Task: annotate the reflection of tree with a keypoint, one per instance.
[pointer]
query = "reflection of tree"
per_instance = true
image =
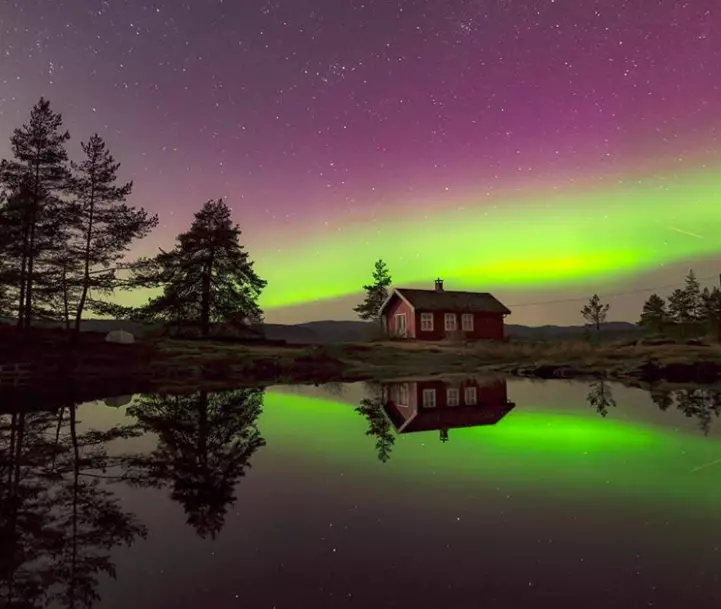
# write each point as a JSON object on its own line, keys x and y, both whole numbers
{"x": 205, "y": 442}
{"x": 59, "y": 520}
{"x": 379, "y": 427}
{"x": 698, "y": 403}
{"x": 89, "y": 514}
{"x": 601, "y": 397}
{"x": 662, "y": 399}
{"x": 701, "y": 404}
{"x": 26, "y": 531}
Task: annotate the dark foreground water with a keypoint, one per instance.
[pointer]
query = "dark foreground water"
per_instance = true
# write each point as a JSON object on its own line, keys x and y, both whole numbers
{"x": 538, "y": 495}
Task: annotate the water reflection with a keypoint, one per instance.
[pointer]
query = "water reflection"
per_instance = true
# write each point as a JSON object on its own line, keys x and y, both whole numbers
{"x": 696, "y": 403}
{"x": 601, "y": 397}
{"x": 63, "y": 471}
{"x": 703, "y": 404}
{"x": 205, "y": 442}
{"x": 61, "y": 519}
{"x": 432, "y": 404}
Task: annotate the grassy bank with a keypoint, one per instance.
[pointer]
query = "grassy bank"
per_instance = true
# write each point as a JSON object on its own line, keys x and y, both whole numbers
{"x": 177, "y": 362}
{"x": 624, "y": 361}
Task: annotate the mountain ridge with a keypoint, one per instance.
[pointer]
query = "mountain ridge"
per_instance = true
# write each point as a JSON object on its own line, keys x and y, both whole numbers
{"x": 340, "y": 331}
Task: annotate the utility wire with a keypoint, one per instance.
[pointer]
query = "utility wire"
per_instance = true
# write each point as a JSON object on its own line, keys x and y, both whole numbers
{"x": 610, "y": 295}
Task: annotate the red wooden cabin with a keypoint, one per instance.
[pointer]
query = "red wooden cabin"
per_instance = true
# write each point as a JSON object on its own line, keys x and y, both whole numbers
{"x": 439, "y": 314}
{"x": 443, "y": 404}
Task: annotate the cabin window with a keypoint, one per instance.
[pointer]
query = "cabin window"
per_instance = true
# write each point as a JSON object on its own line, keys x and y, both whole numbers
{"x": 427, "y": 322}
{"x": 450, "y": 319}
{"x": 452, "y": 396}
{"x": 429, "y": 398}
{"x": 467, "y": 322}
{"x": 469, "y": 396}
{"x": 403, "y": 394}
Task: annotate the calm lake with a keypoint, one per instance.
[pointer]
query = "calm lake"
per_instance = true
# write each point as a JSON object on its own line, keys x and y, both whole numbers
{"x": 468, "y": 493}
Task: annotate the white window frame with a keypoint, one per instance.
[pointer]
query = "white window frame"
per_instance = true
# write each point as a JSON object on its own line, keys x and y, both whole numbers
{"x": 429, "y": 398}
{"x": 450, "y": 322}
{"x": 470, "y": 396}
{"x": 395, "y": 324}
{"x": 426, "y": 322}
{"x": 403, "y": 395}
{"x": 453, "y": 396}
{"x": 467, "y": 322}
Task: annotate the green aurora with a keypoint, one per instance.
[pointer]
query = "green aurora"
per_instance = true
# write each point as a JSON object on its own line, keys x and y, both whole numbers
{"x": 544, "y": 240}
{"x": 559, "y": 453}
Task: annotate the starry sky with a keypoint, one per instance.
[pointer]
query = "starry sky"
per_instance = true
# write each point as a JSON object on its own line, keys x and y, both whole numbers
{"x": 542, "y": 150}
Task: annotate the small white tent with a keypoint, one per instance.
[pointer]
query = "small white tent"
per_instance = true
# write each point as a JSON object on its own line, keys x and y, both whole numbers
{"x": 120, "y": 337}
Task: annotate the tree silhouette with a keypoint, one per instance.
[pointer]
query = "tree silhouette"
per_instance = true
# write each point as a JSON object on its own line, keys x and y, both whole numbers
{"x": 701, "y": 404}
{"x": 654, "y": 314}
{"x": 376, "y": 293}
{"x": 595, "y": 312}
{"x": 601, "y": 397}
{"x": 378, "y": 426}
{"x": 60, "y": 518}
{"x": 35, "y": 178}
{"x": 207, "y": 278}
{"x": 88, "y": 513}
{"x": 27, "y": 534}
{"x": 205, "y": 443}
{"x": 106, "y": 224}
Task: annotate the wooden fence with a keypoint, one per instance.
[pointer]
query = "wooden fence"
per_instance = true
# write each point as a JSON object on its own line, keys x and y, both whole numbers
{"x": 15, "y": 374}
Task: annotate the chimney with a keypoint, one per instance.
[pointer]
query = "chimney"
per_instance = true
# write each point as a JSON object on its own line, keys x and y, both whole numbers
{"x": 439, "y": 285}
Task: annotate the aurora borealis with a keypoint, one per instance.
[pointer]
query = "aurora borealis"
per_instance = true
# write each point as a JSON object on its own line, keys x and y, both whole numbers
{"x": 541, "y": 150}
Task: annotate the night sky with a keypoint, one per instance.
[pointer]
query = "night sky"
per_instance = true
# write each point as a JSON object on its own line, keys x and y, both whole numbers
{"x": 543, "y": 150}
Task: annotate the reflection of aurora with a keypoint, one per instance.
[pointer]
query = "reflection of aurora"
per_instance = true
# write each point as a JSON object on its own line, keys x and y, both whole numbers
{"x": 607, "y": 230}
{"x": 563, "y": 453}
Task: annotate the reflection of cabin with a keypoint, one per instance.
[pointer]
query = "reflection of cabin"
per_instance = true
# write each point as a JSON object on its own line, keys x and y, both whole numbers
{"x": 445, "y": 404}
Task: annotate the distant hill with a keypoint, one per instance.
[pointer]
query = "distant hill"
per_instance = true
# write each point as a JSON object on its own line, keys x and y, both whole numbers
{"x": 328, "y": 331}
{"x": 353, "y": 331}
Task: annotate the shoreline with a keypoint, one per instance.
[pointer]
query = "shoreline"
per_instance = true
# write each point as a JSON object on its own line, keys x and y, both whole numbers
{"x": 171, "y": 363}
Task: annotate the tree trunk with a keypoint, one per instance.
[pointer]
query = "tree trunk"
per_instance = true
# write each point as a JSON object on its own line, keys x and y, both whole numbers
{"x": 31, "y": 248}
{"x": 205, "y": 302}
{"x": 23, "y": 274}
{"x": 88, "y": 243}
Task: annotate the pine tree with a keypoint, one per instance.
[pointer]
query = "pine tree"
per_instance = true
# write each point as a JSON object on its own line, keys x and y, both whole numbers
{"x": 208, "y": 276}
{"x": 595, "y": 312}
{"x": 36, "y": 176}
{"x": 693, "y": 296}
{"x": 679, "y": 307}
{"x": 106, "y": 225}
{"x": 376, "y": 293}
{"x": 654, "y": 314}
{"x": 711, "y": 309}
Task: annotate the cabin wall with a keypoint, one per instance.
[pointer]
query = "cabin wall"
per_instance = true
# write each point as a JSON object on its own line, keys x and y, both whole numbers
{"x": 399, "y": 306}
{"x": 486, "y": 326}
{"x": 487, "y": 393}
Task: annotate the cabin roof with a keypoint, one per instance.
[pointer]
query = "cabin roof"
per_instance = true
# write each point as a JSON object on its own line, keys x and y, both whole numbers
{"x": 469, "y": 302}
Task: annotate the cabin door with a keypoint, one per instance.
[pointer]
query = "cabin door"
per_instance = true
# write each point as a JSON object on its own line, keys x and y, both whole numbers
{"x": 401, "y": 325}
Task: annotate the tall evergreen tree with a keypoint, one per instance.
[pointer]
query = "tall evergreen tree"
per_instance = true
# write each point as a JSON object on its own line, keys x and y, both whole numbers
{"x": 376, "y": 293}
{"x": 37, "y": 174}
{"x": 207, "y": 278}
{"x": 595, "y": 312}
{"x": 693, "y": 296}
{"x": 679, "y": 307}
{"x": 106, "y": 224}
{"x": 711, "y": 309}
{"x": 654, "y": 314}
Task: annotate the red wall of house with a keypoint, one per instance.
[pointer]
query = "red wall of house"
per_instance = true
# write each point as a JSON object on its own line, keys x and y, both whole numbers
{"x": 486, "y": 326}
{"x": 395, "y": 306}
